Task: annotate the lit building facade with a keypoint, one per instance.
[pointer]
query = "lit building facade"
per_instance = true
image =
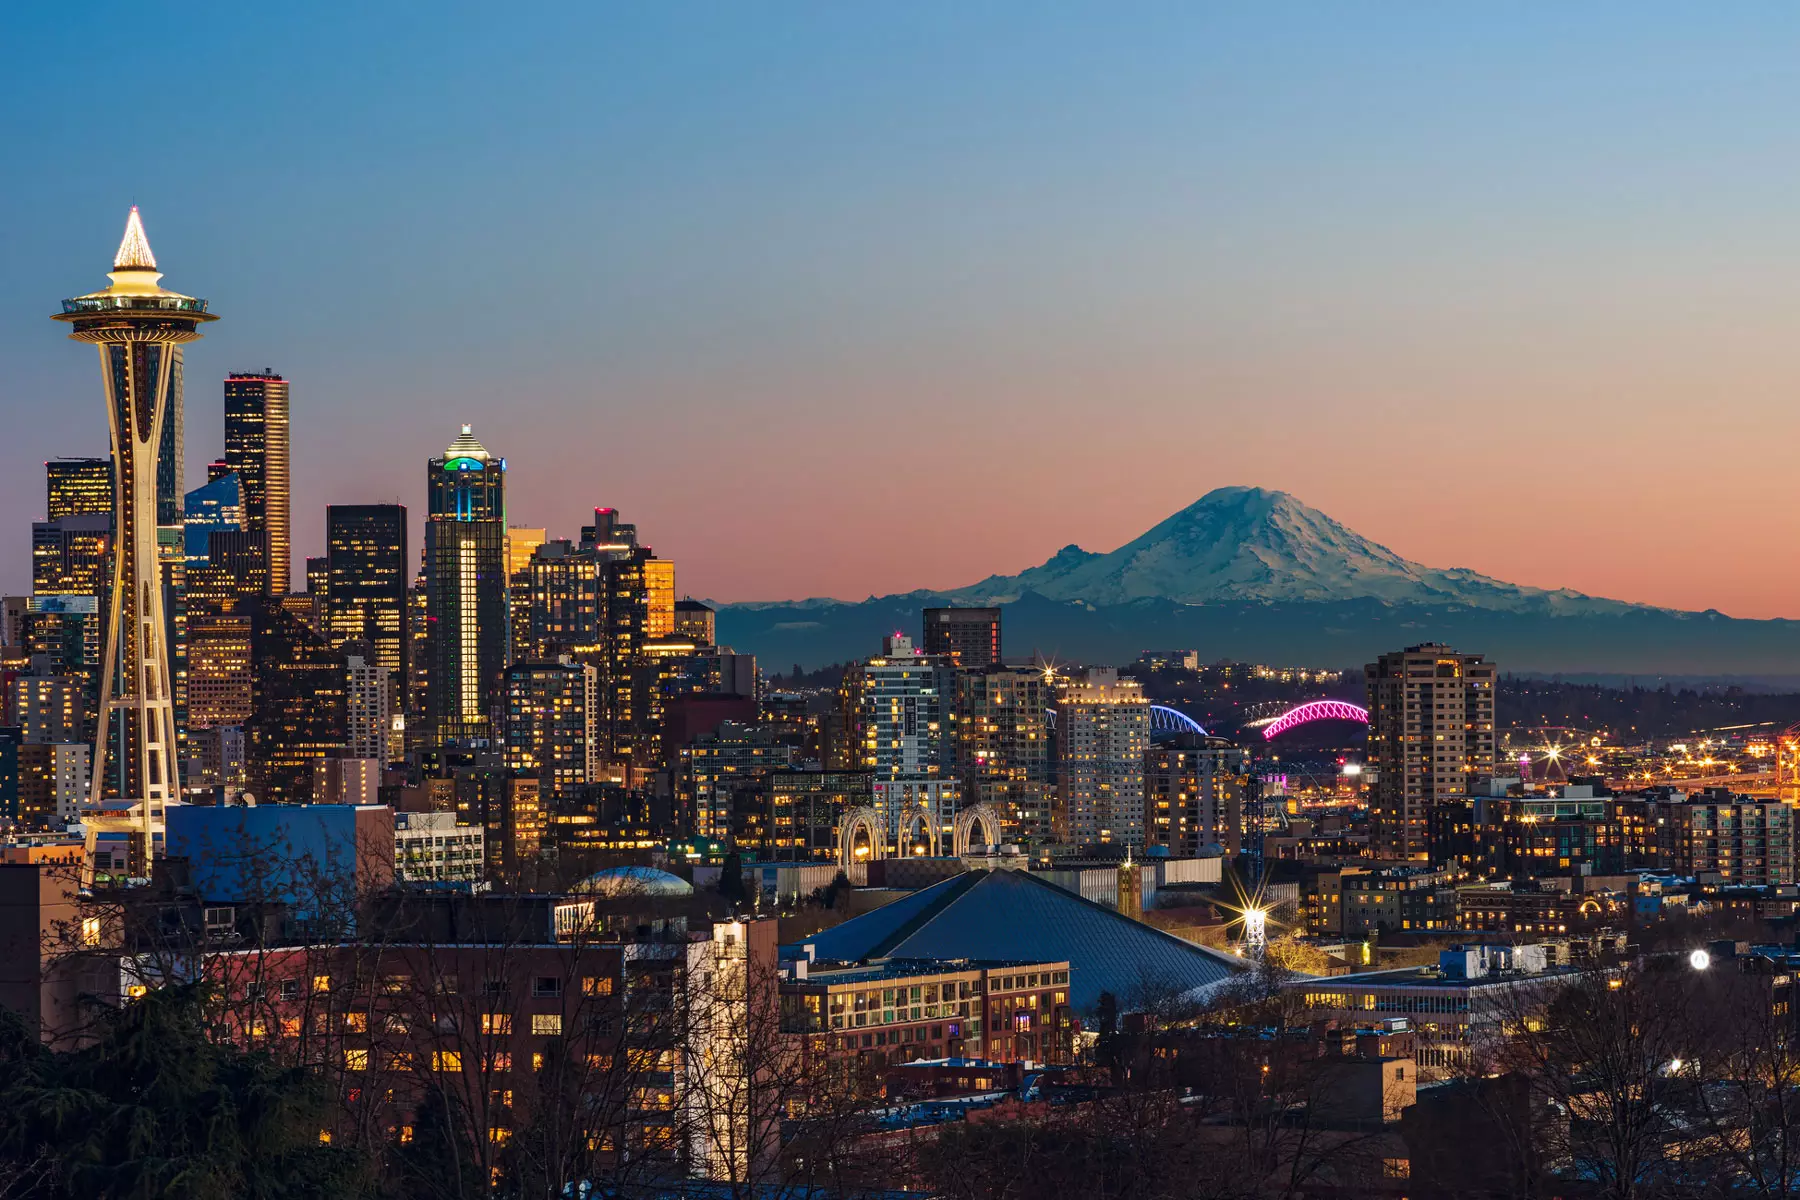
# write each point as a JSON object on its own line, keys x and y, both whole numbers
{"x": 256, "y": 449}
{"x": 1003, "y": 746}
{"x": 217, "y": 505}
{"x": 552, "y": 719}
{"x": 1102, "y": 731}
{"x": 1198, "y": 792}
{"x": 365, "y": 598}
{"x": 1746, "y": 840}
{"x": 433, "y": 847}
{"x": 368, "y": 713}
{"x": 1431, "y": 741}
{"x": 466, "y": 608}
{"x": 78, "y": 485}
{"x": 139, "y": 329}
{"x": 899, "y": 711}
{"x": 968, "y": 637}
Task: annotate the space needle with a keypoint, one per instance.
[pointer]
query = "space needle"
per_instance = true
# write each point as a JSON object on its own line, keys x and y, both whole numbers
{"x": 139, "y": 329}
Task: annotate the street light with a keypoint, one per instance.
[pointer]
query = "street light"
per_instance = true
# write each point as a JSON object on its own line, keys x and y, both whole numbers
{"x": 1699, "y": 960}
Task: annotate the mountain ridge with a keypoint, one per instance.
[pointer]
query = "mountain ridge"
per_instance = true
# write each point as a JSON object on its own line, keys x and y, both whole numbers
{"x": 1258, "y": 575}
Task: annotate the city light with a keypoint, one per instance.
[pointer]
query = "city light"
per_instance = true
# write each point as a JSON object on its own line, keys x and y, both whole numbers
{"x": 1699, "y": 960}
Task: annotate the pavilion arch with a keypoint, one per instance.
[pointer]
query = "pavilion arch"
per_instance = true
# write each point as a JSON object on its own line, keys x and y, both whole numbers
{"x": 868, "y": 822}
{"x": 984, "y": 815}
{"x": 916, "y": 826}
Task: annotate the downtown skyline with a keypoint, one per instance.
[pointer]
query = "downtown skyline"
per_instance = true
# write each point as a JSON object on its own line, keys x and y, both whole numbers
{"x": 1014, "y": 264}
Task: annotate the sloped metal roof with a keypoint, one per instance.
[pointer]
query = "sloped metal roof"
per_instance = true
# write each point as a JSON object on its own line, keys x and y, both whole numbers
{"x": 1015, "y": 915}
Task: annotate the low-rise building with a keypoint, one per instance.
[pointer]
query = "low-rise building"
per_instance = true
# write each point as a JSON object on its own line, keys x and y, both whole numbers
{"x": 431, "y": 846}
{"x": 899, "y": 1010}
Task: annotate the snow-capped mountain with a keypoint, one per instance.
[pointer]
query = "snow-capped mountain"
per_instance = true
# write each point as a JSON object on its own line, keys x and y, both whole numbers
{"x": 1238, "y": 544}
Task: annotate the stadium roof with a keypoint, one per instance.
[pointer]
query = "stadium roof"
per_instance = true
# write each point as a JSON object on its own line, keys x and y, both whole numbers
{"x": 1016, "y": 915}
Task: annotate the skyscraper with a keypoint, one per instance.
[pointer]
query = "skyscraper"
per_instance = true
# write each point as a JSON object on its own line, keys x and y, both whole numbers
{"x": 969, "y": 636}
{"x": 1102, "y": 731}
{"x": 256, "y": 448}
{"x": 1431, "y": 740}
{"x": 466, "y": 608}
{"x": 138, "y": 329}
{"x": 217, "y": 505}
{"x": 78, "y": 485}
{"x": 365, "y": 598}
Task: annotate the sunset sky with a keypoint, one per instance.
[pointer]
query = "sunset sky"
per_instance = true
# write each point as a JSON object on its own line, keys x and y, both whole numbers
{"x": 841, "y": 299}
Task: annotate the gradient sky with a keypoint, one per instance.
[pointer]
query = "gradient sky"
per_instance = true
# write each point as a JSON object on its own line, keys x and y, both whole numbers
{"x": 841, "y": 299}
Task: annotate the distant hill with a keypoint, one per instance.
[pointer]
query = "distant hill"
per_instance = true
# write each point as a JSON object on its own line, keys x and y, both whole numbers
{"x": 1253, "y": 574}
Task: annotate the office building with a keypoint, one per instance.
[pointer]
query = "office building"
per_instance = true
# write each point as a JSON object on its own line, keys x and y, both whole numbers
{"x": 695, "y": 622}
{"x": 138, "y": 329}
{"x": 432, "y": 847}
{"x": 71, "y": 556}
{"x": 521, "y": 544}
{"x": 466, "y": 607}
{"x": 298, "y": 707}
{"x": 75, "y": 486}
{"x": 1102, "y": 731}
{"x": 969, "y": 637}
{"x": 899, "y": 711}
{"x": 217, "y": 505}
{"x": 365, "y": 598}
{"x": 1003, "y": 746}
{"x": 552, "y": 723}
{"x": 256, "y": 449}
{"x": 1198, "y": 793}
{"x": 1525, "y": 836}
{"x": 221, "y": 686}
{"x": 1431, "y": 741}
{"x": 659, "y": 598}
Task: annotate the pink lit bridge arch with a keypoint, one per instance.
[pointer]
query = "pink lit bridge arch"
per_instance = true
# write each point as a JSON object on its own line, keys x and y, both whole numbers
{"x": 1316, "y": 710}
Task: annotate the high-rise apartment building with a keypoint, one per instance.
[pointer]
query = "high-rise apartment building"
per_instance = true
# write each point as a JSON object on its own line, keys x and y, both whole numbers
{"x": 256, "y": 448}
{"x": 1102, "y": 731}
{"x": 78, "y": 485}
{"x": 969, "y": 637}
{"x": 521, "y": 544}
{"x": 1198, "y": 792}
{"x": 368, "y": 711}
{"x": 466, "y": 607}
{"x": 1431, "y": 740}
{"x": 552, "y": 723}
{"x": 53, "y": 783}
{"x": 1003, "y": 745}
{"x": 1747, "y": 840}
{"x": 47, "y": 708}
{"x": 215, "y": 506}
{"x": 365, "y": 597}
{"x": 899, "y": 710}
{"x": 138, "y": 327}
{"x": 659, "y": 598}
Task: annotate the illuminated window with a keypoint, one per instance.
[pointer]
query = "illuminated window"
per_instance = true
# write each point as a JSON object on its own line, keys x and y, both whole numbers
{"x": 90, "y": 931}
{"x": 446, "y": 1060}
{"x": 321, "y": 983}
{"x": 356, "y": 1060}
{"x": 597, "y": 986}
{"x": 496, "y": 1023}
{"x": 546, "y": 1024}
